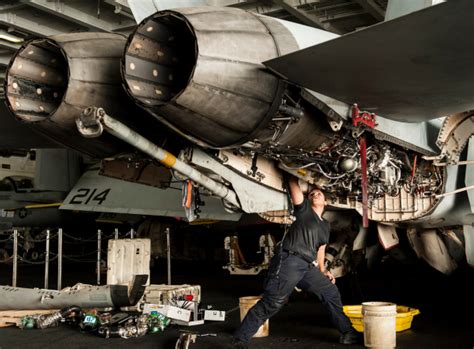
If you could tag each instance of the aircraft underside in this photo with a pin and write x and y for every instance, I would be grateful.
(191, 83)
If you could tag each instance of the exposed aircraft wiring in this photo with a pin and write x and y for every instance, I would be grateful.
(298, 167)
(318, 168)
(392, 172)
(329, 176)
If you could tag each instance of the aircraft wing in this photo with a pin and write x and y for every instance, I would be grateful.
(403, 69)
(97, 193)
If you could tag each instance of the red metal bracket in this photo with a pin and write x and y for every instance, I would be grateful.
(362, 117)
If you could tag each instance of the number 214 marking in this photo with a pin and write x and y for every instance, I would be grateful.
(85, 195)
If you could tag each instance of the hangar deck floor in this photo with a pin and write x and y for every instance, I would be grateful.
(446, 304)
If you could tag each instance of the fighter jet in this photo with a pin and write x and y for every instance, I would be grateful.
(227, 101)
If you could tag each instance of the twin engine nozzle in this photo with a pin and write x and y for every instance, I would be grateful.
(198, 71)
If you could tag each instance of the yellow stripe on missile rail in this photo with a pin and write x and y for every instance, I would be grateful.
(168, 159)
(126, 134)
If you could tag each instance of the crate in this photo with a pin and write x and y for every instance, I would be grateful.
(403, 322)
(126, 258)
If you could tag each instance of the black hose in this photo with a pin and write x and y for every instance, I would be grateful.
(66, 312)
(291, 111)
(45, 321)
(110, 331)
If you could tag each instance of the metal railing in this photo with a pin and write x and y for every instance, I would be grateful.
(62, 238)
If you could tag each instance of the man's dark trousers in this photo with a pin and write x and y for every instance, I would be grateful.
(285, 272)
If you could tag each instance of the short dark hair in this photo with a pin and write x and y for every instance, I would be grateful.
(315, 187)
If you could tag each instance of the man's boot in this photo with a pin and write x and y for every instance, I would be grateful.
(238, 344)
(350, 337)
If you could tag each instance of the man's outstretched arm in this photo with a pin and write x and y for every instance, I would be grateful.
(295, 191)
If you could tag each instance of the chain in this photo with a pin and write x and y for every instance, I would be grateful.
(24, 260)
(8, 238)
(80, 260)
(5, 261)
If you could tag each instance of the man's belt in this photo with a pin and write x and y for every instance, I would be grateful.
(297, 255)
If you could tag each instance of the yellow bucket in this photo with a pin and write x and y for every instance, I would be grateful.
(404, 317)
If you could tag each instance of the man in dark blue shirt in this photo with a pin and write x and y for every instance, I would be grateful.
(294, 266)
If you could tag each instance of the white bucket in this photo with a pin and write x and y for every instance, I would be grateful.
(380, 319)
(245, 303)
